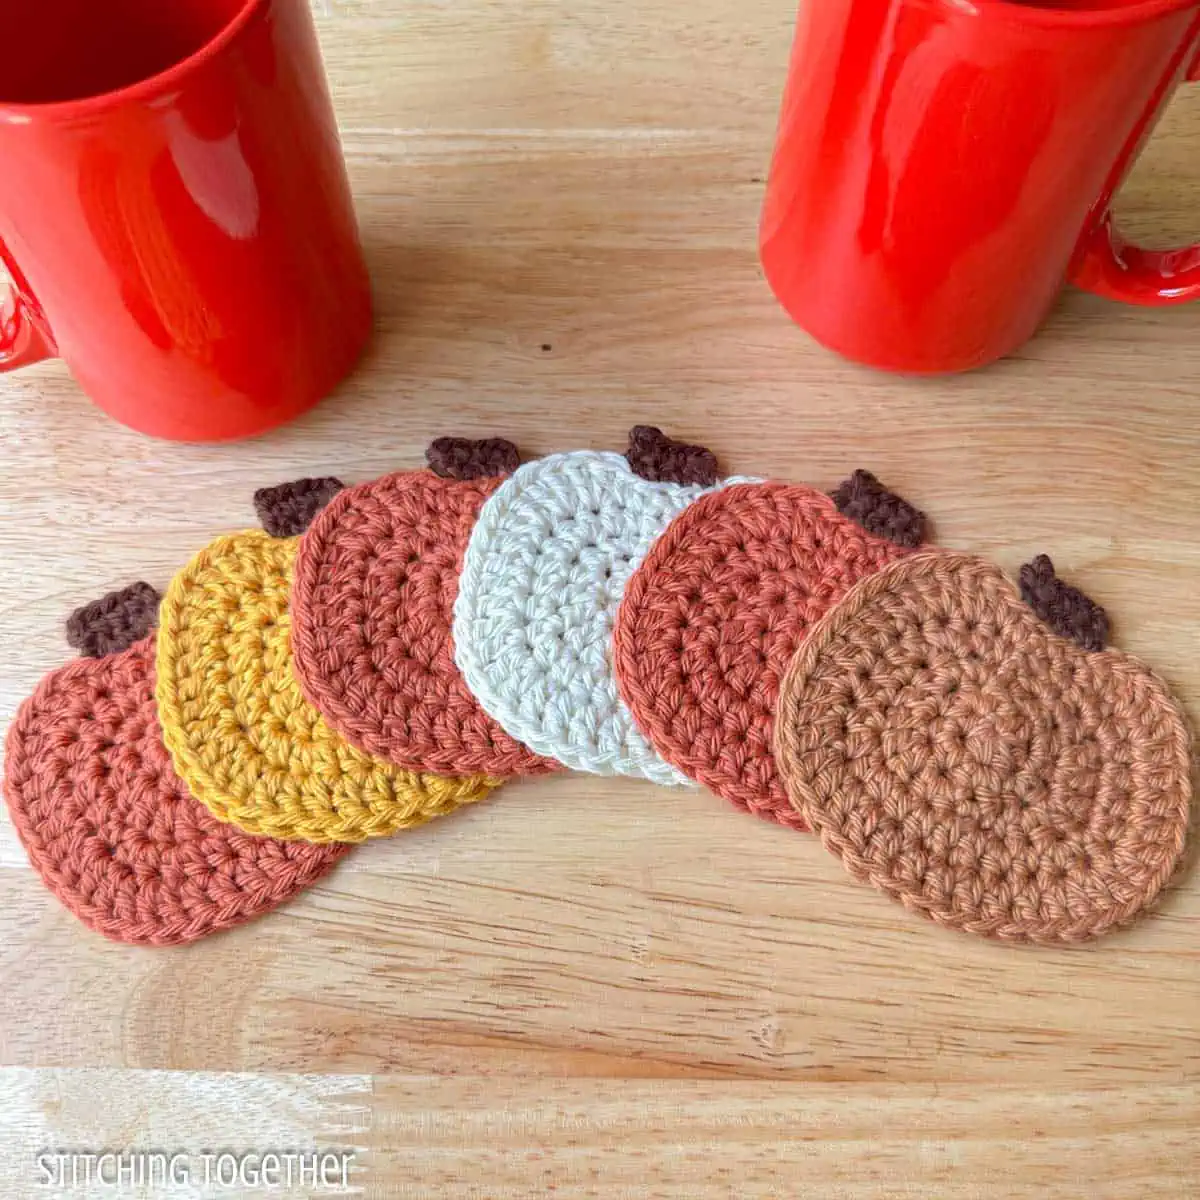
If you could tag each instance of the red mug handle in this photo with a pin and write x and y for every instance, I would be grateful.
(21, 341)
(1113, 267)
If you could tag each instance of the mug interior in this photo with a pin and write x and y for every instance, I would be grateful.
(1084, 13)
(1076, 5)
(59, 50)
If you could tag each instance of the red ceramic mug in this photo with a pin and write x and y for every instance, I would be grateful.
(174, 210)
(944, 166)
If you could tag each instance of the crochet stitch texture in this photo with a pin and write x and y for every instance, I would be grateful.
(711, 620)
(114, 622)
(544, 572)
(956, 753)
(241, 735)
(111, 829)
(288, 508)
(372, 602)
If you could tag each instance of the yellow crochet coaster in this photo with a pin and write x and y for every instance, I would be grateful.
(240, 733)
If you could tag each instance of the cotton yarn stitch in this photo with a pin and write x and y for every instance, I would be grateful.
(376, 579)
(472, 458)
(288, 509)
(956, 753)
(711, 620)
(880, 511)
(240, 733)
(1064, 608)
(661, 459)
(114, 622)
(111, 829)
(544, 572)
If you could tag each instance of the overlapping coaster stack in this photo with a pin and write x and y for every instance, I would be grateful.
(378, 656)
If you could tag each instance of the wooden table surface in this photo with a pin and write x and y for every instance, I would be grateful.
(591, 988)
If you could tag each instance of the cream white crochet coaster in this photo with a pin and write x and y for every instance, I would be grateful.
(543, 576)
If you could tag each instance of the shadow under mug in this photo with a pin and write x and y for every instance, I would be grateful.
(175, 215)
(942, 169)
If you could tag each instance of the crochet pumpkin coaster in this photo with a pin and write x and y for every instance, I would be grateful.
(372, 605)
(241, 735)
(544, 572)
(110, 828)
(978, 767)
(712, 617)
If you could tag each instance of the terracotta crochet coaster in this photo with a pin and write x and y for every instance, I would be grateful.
(714, 614)
(544, 572)
(111, 829)
(240, 733)
(372, 604)
(978, 767)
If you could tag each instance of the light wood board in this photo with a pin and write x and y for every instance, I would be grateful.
(589, 988)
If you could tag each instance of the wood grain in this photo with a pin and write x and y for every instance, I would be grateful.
(588, 987)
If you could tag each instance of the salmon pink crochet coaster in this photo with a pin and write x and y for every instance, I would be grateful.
(112, 831)
(372, 603)
(712, 617)
(976, 766)
(544, 571)
(240, 733)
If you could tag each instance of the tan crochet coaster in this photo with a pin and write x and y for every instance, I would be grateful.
(986, 772)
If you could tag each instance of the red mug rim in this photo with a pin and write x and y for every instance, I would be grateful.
(15, 113)
(1036, 14)
(1080, 18)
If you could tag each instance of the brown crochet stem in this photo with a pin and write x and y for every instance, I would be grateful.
(1068, 611)
(866, 502)
(114, 622)
(660, 459)
(288, 509)
(470, 458)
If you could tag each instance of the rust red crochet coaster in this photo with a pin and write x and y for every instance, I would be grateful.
(373, 601)
(112, 831)
(976, 766)
(713, 616)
